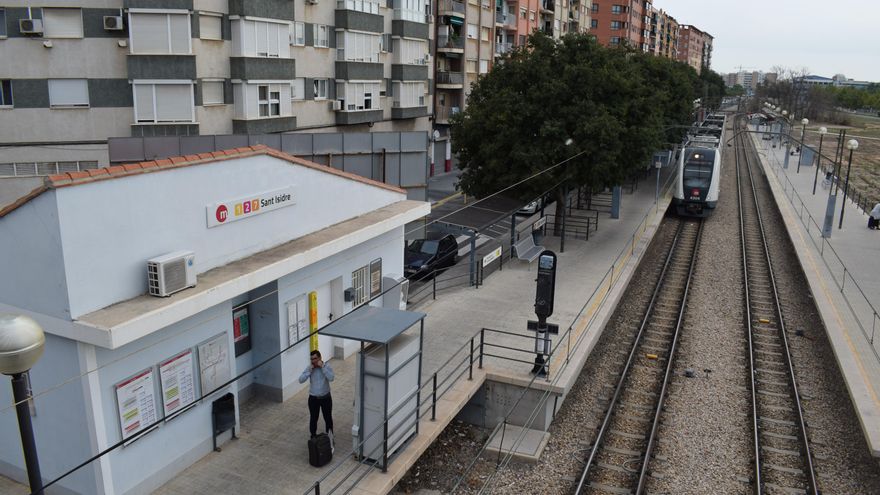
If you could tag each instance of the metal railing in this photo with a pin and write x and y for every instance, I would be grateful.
(451, 6)
(446, 41)
(444, 77)
(444, 113)
(840, 273)
(502, 48)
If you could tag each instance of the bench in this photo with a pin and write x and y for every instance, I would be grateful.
(526, 249)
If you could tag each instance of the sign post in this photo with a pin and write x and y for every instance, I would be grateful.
(313, 321)
(544, 296)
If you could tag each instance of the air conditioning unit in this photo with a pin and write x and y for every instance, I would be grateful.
(336, 105)
(171, 273)
(113, 23)
(312, 2)
(30, 26)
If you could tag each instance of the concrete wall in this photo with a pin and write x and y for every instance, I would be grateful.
(151, 214)
(60, 425)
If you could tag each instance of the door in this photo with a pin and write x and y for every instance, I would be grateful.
(325, 310)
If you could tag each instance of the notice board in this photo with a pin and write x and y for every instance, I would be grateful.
(136, 402)
(176, 375)
(214, 365)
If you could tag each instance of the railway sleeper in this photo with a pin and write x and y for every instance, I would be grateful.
(785, 489)
(616, 490)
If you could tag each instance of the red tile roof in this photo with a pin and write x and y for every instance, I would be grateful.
(130, 169)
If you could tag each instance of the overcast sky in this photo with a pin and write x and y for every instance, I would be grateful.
(827, 37)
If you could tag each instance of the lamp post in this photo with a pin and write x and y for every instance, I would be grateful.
(804, 122)
(21, 345)
(788, 139)
(822, 132)
(851, 145)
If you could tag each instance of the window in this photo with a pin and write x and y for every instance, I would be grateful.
(322, 36)
(2, 23)
(472, 31)
(531, 15)
(484, 66)
(471, 65)
(409, 10)
(298, 89)
(268, 101)
(357, 96)
(618, 25)
(360, 283)
(160, 34)
(68, 93)
(410, 52)
(615, 40)
(298, 34)
(594, 23)
(368, 6)
(62, 23)
(484, 33)
(409, 94)
(261, 38)
(618, 9)
(5, 93)
(522, 40)
(522, 13)
(210, 26)
(212, 93)
(357, 47)
(166, 102)
(595, 7)
(320, 89)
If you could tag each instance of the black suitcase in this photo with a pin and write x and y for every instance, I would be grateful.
(320, 452)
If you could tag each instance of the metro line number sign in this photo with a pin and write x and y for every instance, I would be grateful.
(248, 206)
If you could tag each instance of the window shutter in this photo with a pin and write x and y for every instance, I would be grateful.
(62, 23)
(149, 33)
(173, 103)
(212, 92)
(180, 33)
(210, 27)
(68, 92)
(143, 98)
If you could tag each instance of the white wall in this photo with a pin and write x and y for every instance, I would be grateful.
(32, 263)
(68, 124)
(110, 228)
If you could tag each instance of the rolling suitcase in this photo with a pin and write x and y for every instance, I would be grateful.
(320, 451)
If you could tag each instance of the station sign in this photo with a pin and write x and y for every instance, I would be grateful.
(248, 206)
(494, 255)
(539, 223)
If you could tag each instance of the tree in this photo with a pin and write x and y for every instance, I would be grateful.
(736, 90)
(602, 111)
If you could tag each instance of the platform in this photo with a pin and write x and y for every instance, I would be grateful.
(843, 275)
(270, 456)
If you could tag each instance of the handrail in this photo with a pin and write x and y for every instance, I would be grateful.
(821, 248)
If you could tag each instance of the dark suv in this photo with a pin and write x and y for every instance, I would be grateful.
(424, 256)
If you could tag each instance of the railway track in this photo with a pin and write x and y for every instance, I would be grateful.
(783, 462)
(619, 456)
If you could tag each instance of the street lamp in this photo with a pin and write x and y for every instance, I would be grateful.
(785, 120)
(21, 345)
(804, 122)
(822, 132)
(851, 145)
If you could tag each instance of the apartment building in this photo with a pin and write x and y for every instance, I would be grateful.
(664, 34)
(616, 22)
(695, 47)
(94, 69)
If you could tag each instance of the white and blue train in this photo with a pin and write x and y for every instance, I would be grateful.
(699, 169)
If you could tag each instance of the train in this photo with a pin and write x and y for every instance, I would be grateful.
(699, 168)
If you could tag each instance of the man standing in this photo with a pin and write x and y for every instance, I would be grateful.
(319, 374)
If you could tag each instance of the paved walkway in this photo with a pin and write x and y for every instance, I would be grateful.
(844, 276)
(271, 454)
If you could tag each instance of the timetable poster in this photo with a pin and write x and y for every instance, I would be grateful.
(178, 382)
(136, 401)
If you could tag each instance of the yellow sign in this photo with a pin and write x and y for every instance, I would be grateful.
(313, 321)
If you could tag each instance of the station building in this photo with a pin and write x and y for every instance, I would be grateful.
(277, 245)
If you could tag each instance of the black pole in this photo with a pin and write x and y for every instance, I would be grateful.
(801, 152)
(818, 163)
(539, 368)
(845, 190)
(20, 395)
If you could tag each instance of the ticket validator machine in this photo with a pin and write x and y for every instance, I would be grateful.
(544, 296)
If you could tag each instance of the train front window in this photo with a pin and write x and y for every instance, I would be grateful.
(698, 166)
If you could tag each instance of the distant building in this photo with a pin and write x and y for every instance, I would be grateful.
(695, 47)
(663, 34)
(622, 22)
(841, 80)
(749, 80)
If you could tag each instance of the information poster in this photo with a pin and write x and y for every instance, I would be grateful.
(135, 398)
(297, 320)
(178, 382)
(375, 278)
(241, 331)
(214, 367)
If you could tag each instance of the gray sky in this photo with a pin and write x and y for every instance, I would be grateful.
(827, 37)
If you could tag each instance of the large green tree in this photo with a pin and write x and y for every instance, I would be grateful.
(603, 112)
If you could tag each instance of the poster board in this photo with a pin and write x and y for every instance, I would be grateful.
(375, 277)
(176, 376)
(136, 402)
(241, 331)
(297, 320)
(214, 363)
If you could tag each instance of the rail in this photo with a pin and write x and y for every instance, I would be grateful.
(832, 261)
(596, 298)
(807, 457)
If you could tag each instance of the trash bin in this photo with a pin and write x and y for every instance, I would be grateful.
(223, 416)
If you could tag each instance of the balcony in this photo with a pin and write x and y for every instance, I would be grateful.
(442, 114)
(449, 80)
(548, 6)
(453, 44)
(502, 48)
(451, 7)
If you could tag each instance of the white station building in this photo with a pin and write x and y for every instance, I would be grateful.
(265, 236)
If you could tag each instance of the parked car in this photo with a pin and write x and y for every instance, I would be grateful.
(424, 256)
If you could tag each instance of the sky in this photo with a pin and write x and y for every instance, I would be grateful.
(826, 37)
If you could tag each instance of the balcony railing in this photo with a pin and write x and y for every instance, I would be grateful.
(502, 48)
(442, 114)
(452, 6)
(548, 5)
(445, 41)
(368, 6)
(444, 77)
